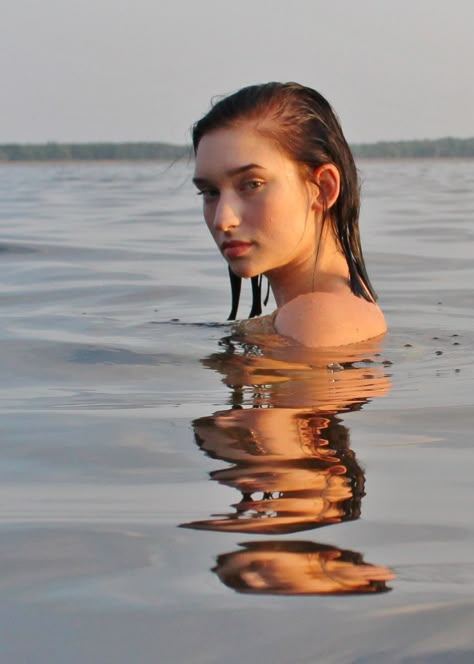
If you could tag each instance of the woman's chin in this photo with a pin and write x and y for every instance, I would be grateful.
(243, 271)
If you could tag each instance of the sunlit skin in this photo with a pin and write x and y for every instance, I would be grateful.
(267, 218)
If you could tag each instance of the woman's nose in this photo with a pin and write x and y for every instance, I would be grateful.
(226, 215)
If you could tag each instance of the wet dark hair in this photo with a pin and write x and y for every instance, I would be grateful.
(305, 126)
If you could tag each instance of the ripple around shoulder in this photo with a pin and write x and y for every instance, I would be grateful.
(260, 325)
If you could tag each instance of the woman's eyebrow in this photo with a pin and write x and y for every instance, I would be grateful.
(230, 173)
(200, 182)
(242, 169)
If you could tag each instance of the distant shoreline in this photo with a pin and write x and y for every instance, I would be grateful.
(21, 152)
(441, 148)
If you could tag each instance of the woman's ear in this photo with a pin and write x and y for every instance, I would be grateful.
(328, 182)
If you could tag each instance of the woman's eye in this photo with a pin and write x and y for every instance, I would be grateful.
(251, 185)
(208, 194)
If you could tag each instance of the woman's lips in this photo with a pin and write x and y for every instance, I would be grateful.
(235, 249)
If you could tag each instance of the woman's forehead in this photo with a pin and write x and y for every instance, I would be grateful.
(233, 148)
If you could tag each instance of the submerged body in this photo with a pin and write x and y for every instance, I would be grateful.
(274, 215)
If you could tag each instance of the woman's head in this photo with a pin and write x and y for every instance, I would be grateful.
(305, 128)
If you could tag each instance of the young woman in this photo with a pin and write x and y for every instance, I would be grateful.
(281, 199)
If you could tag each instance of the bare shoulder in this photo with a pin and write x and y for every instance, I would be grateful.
(330, 319)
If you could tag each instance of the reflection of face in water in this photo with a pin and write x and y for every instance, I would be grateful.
(288, 455)
(299, 568)
(294, 469)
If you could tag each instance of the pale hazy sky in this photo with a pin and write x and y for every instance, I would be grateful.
(127, 70)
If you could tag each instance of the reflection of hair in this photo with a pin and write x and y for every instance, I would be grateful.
(234, 576)
(305, 126)
(338, 437)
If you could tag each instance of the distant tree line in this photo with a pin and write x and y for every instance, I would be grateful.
(439, 148)
(90, 151)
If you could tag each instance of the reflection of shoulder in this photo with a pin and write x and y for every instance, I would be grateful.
(329, 319)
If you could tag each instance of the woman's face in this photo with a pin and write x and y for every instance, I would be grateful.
(256, 204)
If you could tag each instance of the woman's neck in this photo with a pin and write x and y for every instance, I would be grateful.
(326, 270)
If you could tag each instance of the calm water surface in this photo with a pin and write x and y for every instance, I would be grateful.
(171, 493)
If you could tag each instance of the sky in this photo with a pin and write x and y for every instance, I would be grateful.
(145, 70)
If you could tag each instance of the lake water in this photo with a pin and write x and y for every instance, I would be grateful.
(170, 493)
